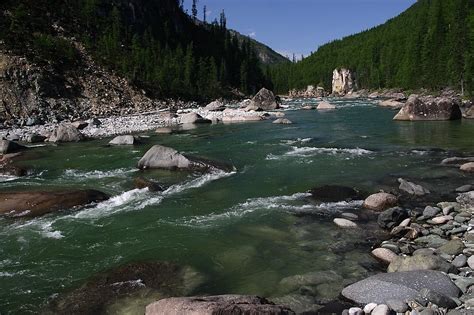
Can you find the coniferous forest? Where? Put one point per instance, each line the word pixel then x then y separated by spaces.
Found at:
pixel 431 45
pixel 155 44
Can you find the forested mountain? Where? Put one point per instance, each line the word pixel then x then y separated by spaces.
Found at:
pixel 153 43
pixel 431 45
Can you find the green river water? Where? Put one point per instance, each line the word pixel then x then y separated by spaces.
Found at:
pixel 242 231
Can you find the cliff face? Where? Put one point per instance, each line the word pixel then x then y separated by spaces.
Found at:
pixel 343 82
pixel 32 94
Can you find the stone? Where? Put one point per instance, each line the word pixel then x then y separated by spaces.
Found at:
pixel 292 283
pixel 457 160
pixel 133 281
pixel 160 157
pixel 369 308
pixel 124 140
pixel 468 167
pixel 193 118
pixel 437 298
pixel 7 147
pixel 466 200
pixel 441 220
pixel 283 121
pixel 380 201
pixel 95 122
pixel 399 286
pixel 79 124
pixel 222 304
pixel 464 188
pixel 350 216
pixel 381 309
pixel 430 108
pixel 35 138
pixel 142 183
pixel 384 255
pixel 343 82
pixel 333 193
pixel 391 103
pixel 391 217
pixel 464 283
pixel 344 223
pixel 459 261
pixel 433 241
pixel 420 262
pixel 65 133
pixel 470 262
pixel 325 106
pixel 164 131
pixel 431 212
pixel 237 118
pixel 37 203
pixel 397 305
pixel 412 188
pixel 405 222
pixel 355 311
pixel 448 210
pixel 265 100
pixel 215 106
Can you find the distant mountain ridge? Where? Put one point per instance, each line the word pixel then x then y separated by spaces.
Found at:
pixel 430 45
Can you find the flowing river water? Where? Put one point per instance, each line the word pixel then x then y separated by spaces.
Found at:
pixel 242 231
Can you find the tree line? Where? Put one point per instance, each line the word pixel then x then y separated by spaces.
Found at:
pixel 431 45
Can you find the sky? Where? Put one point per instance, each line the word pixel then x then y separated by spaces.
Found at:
pixel 301 26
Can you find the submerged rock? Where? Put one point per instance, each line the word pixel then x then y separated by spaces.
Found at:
pixel 124 140
pixel 265 100
pixel 142 183
pixel 65 133
pixel 412 188
pixel 380 201
pixel 160 157
pixel 399 286
pixel 145 282
pixel 7 147
pixel 430 108
pixel 37 203
pixel 8 166
pixel 344 223
pixel 222 304
pixel 333 193
pixel 283 121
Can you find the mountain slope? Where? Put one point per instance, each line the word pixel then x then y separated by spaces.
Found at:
pixel 431 45
pixel 152 43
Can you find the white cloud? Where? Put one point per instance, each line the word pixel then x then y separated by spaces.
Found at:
pixel 253 34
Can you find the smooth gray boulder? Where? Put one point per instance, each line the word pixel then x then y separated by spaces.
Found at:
pixel 7 147
pixel 160 157
pixel 123 140
pixel 65 133
pixel 399 286
pixel 412 188
pixel 212 305
pixel 420 262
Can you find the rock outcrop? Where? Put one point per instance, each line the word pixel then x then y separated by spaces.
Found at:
pixel 430 108
pixel 65 133
pixel 160 157
pixel 222 304
pixel 264 100
pixel 37 203
pixel 343 82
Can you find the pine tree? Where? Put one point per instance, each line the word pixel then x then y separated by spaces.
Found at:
pixel 204 15
pixel 194 10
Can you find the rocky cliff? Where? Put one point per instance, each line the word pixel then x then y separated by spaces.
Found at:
pixel 343 82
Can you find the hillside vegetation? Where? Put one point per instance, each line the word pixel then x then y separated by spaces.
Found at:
pixel 152 43
pixel 431 45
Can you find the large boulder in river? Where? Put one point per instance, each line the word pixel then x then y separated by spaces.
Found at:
pixel 7 147
pixel 325 106
pixel 123 140
pixel 221 304
pixel 430 108
pixel 265 100
pixel 36 203
pixel 193 118
pixel 380 201
pixel 65 133
pixel 399 286
pixel 160 157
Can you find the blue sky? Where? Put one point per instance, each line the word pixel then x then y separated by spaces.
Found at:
pixel 300 26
